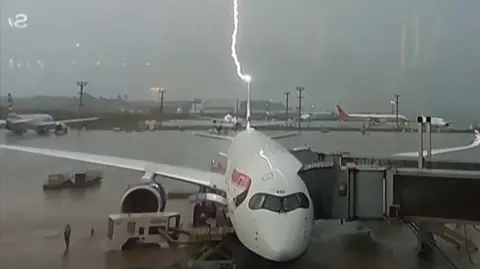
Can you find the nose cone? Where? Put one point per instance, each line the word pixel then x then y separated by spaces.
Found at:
pixel 291 247
pixel 286 240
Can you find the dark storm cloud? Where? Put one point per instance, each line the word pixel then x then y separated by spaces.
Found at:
pixel 346 50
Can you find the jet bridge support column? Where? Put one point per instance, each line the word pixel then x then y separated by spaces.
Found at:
pixel 420 150
pixel 429 138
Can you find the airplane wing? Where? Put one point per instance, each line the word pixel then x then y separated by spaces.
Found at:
pixel 475 143
pixel 286 135
pixel 78 120
pixel 214 136
pixel 53 123
pixel 189 175
pixel 266 124
pixel 230 138
pixel 19 121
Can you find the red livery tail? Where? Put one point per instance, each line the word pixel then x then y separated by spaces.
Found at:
pixel 341 113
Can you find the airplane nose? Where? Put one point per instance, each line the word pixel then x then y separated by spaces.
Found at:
pixel 286 241
pixel 289 248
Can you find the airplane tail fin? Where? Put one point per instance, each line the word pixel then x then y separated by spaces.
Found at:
pixel 11 112
pixel 341 113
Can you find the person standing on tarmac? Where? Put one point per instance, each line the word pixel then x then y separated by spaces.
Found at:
pixel 66 236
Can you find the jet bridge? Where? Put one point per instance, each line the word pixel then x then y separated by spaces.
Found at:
pixel 375 192
pixel 372 191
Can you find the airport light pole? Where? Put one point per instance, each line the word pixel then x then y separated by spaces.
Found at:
pixel 300 90
pixel 162 92
pixel 287 96
pixel 396 109
pixel 82 85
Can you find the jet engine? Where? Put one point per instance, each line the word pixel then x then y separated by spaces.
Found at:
pixel 144 197
pixel 61 128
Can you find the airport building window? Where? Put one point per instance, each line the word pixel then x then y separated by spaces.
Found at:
pixel 279 203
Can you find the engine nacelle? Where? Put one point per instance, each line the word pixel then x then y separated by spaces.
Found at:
pixel 143 198
pixel 61 128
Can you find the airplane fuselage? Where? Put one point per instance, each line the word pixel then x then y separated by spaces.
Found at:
pixel 268 203
pixel 439 122
pixel 375 117
pixel 27 121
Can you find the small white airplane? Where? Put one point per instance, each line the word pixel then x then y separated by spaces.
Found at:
pixel 229 121
pixel 439 122
pixel 237 123
pixel 41 123
pixel 268 198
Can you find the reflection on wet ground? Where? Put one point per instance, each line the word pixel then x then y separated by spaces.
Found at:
pixel 45 249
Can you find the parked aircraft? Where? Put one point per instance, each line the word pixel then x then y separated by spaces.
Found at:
pixel 369 117
pixel 41 123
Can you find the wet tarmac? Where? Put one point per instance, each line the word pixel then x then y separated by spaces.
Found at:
pixel 32 221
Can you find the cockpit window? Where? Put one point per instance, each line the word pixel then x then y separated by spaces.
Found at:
pixel 290 202
pixel 279 203
pixel 256 202
pixel 273 203
pixel 240 198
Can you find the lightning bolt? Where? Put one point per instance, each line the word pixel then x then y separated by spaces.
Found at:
pixel 238 66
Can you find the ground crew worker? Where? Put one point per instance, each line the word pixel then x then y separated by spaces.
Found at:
pixel 66 236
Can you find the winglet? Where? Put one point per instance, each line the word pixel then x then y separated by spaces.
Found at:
pixel 477 135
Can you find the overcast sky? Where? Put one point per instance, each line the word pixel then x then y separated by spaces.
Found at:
pixel 347 50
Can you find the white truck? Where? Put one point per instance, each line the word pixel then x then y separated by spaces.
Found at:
pixel 127 231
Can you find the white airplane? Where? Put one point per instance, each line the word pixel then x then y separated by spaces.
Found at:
pixel 41 123
pixel 267 195
pixel 231 122
pixel 373 118
pixel 439 122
